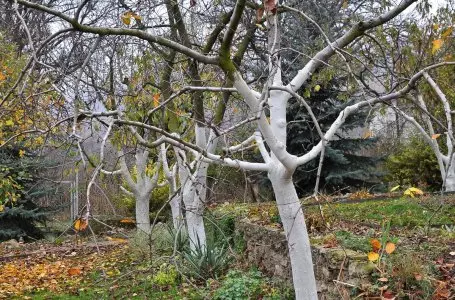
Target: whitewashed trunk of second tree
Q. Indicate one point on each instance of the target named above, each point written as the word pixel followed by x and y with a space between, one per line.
pixel 296 233
pixel 450 179
pixel 143 213
pixel 176 211
pixel 194 217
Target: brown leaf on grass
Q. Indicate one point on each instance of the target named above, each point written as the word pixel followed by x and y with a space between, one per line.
pixel 74 271
pixel 376 244
pixel 128 221
pixel 388 295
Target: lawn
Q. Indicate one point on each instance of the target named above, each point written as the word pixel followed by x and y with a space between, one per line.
pixel 421 266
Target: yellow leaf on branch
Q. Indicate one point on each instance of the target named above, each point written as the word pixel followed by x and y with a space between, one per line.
pixel 437 44
pixel 156 100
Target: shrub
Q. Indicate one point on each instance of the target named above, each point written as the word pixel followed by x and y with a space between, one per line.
pixel 239 285
pixel 166 276
pixel 414 164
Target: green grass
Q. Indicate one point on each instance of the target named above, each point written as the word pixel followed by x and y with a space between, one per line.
pixel 406 212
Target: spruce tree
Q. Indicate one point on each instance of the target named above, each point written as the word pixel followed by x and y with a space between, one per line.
pixel 19 188
pixel 345 164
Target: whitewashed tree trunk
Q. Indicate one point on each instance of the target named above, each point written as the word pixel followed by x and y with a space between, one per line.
pixel 176 211
pixel 193 196
pixel 143 213
pixel 449 175
pixel 296 232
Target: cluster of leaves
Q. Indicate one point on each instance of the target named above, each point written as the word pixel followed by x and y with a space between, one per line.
pixel 414 164
pixel 56 269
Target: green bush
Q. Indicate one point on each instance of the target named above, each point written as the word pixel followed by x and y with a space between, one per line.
pixel 239 285
pixel 414 164
pixel 166 276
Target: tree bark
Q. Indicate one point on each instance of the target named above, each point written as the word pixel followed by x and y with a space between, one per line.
pixel 143 213
pixel 194 217
pixel 296 232
pixel 450 179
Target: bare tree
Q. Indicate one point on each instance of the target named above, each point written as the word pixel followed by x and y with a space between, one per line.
pixel 267 107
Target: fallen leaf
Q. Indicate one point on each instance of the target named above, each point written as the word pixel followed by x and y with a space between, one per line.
pixel 435 136
pixel 395 188
pixel 373 256
pixel 418 276
pixel 127 221
pixel 389 248
pixel 74 271
pixel 376 244
pixel 383 279
pixel 118 240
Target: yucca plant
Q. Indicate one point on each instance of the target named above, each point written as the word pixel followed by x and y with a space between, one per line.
pixel 206 262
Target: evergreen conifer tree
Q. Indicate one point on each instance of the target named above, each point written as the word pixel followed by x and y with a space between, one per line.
pixel 19 214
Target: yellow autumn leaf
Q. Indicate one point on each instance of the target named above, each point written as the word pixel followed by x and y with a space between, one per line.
pixel 126 18
pixel 9 122
pixel 128 221
pixel 395 188
pixel 156 100
pixel 2 76
pixel 437 44
pixel 435 136
pixel 80 225
pixel 416 191
pixel 21 153
pixel 412 192
pixel 2 208
pixel 317 88
pixel 118 240
pixel 389 248
pixel 435 26
pixel 373 256
pixel 447 32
